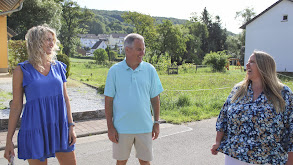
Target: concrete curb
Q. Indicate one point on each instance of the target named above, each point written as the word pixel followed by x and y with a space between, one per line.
pixel 77 116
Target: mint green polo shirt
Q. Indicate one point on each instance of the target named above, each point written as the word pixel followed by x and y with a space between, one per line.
pixel 132 91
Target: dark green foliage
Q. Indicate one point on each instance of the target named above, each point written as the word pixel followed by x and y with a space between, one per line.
pixel 65 59
pixel 172 41
pixel 100 55
pixel 216 40
pixel 184 41
pixel 116 24
pixel 113 55
pixel 70 27
pixel 101 89
pixel 17 53
pixel 33 13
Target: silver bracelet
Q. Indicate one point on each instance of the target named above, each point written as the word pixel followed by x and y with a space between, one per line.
pixel 158 122
pixel 71 124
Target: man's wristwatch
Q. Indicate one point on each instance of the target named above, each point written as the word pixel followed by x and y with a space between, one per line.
pixel 158 122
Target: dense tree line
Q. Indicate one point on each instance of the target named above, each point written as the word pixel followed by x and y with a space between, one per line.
pixel 180 40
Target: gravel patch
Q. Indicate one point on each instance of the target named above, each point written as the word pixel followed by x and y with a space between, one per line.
pixel 82 97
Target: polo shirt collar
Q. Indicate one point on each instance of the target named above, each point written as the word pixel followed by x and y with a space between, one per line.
pixel 140 66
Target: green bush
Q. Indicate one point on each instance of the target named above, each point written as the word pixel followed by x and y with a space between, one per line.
pixel 65 59
pixel 100 55
pixel 217 60
pixel 101 89
pixel 161 63
pixel 113 55
pixel 187 68
pixel 17 53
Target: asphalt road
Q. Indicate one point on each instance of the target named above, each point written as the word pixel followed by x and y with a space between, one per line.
pixel 187 144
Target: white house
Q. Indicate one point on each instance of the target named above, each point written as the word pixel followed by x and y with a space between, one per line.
pixel 98 45
pixel 112 40
pixel 116 40
pixel 272 31
pixel 88 40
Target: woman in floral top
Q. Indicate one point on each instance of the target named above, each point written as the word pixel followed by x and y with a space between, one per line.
pixel 255 124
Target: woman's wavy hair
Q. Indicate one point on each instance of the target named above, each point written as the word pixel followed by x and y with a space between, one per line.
pixel 35 40
pixel 272 85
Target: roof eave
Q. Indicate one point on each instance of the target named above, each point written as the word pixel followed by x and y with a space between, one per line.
pixel 17 7
pixel 248 22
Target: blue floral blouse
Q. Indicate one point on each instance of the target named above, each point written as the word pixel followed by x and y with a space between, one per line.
pixel 254 132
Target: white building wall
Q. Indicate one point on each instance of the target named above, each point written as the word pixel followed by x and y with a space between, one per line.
pixel 270 34
pixel 87 42
pixel 103 45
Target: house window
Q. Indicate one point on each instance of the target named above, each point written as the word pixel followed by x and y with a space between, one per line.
pixel 285 18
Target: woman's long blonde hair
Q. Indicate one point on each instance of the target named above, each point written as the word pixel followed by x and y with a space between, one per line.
pixel 35 39
pixel 272 85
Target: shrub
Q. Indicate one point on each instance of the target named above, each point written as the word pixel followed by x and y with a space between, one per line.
pixel 113 55
pixel 65 59
pixel 217 60
pixel 187 68
pixel 100 55
pixel 17 53
pixel 161 63
pixel 101 89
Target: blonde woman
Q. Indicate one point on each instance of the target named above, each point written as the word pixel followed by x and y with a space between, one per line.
pixel 255 124
pixel 47 128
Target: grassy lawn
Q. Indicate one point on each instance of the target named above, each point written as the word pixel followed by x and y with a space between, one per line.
pixel 4 96
pixel 191 95
pixel 196 96
pixel 85 70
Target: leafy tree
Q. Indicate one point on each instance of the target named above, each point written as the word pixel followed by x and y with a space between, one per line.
pixel 70 27
pixel 113 55
pixel 108 52
pixel 144 25
pixel 205 19
pixel 245 15
pixel 217 60
pixel 234 47
pixel 100 55
pixel 198 32
pixel 116 26
pixel 33 13
pixel 96 26
pixel 17 53
pixel 85 19
pixel 217 36
pixel 172 41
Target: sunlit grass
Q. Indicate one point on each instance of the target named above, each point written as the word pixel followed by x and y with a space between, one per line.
pixel 188 96
pixel 4 97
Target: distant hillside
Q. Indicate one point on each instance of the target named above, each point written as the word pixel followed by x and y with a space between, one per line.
pixel 114 15
pixel 110 21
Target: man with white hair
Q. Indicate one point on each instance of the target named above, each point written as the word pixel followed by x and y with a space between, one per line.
pixel 132 87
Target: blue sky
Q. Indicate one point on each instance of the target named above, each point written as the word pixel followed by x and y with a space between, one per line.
pixel 182 9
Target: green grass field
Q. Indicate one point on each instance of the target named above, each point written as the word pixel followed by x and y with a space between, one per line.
pixel 4 96
pixel 188 96
pixel 87 71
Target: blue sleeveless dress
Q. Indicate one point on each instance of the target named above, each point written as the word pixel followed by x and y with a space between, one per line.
pixel 44 124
